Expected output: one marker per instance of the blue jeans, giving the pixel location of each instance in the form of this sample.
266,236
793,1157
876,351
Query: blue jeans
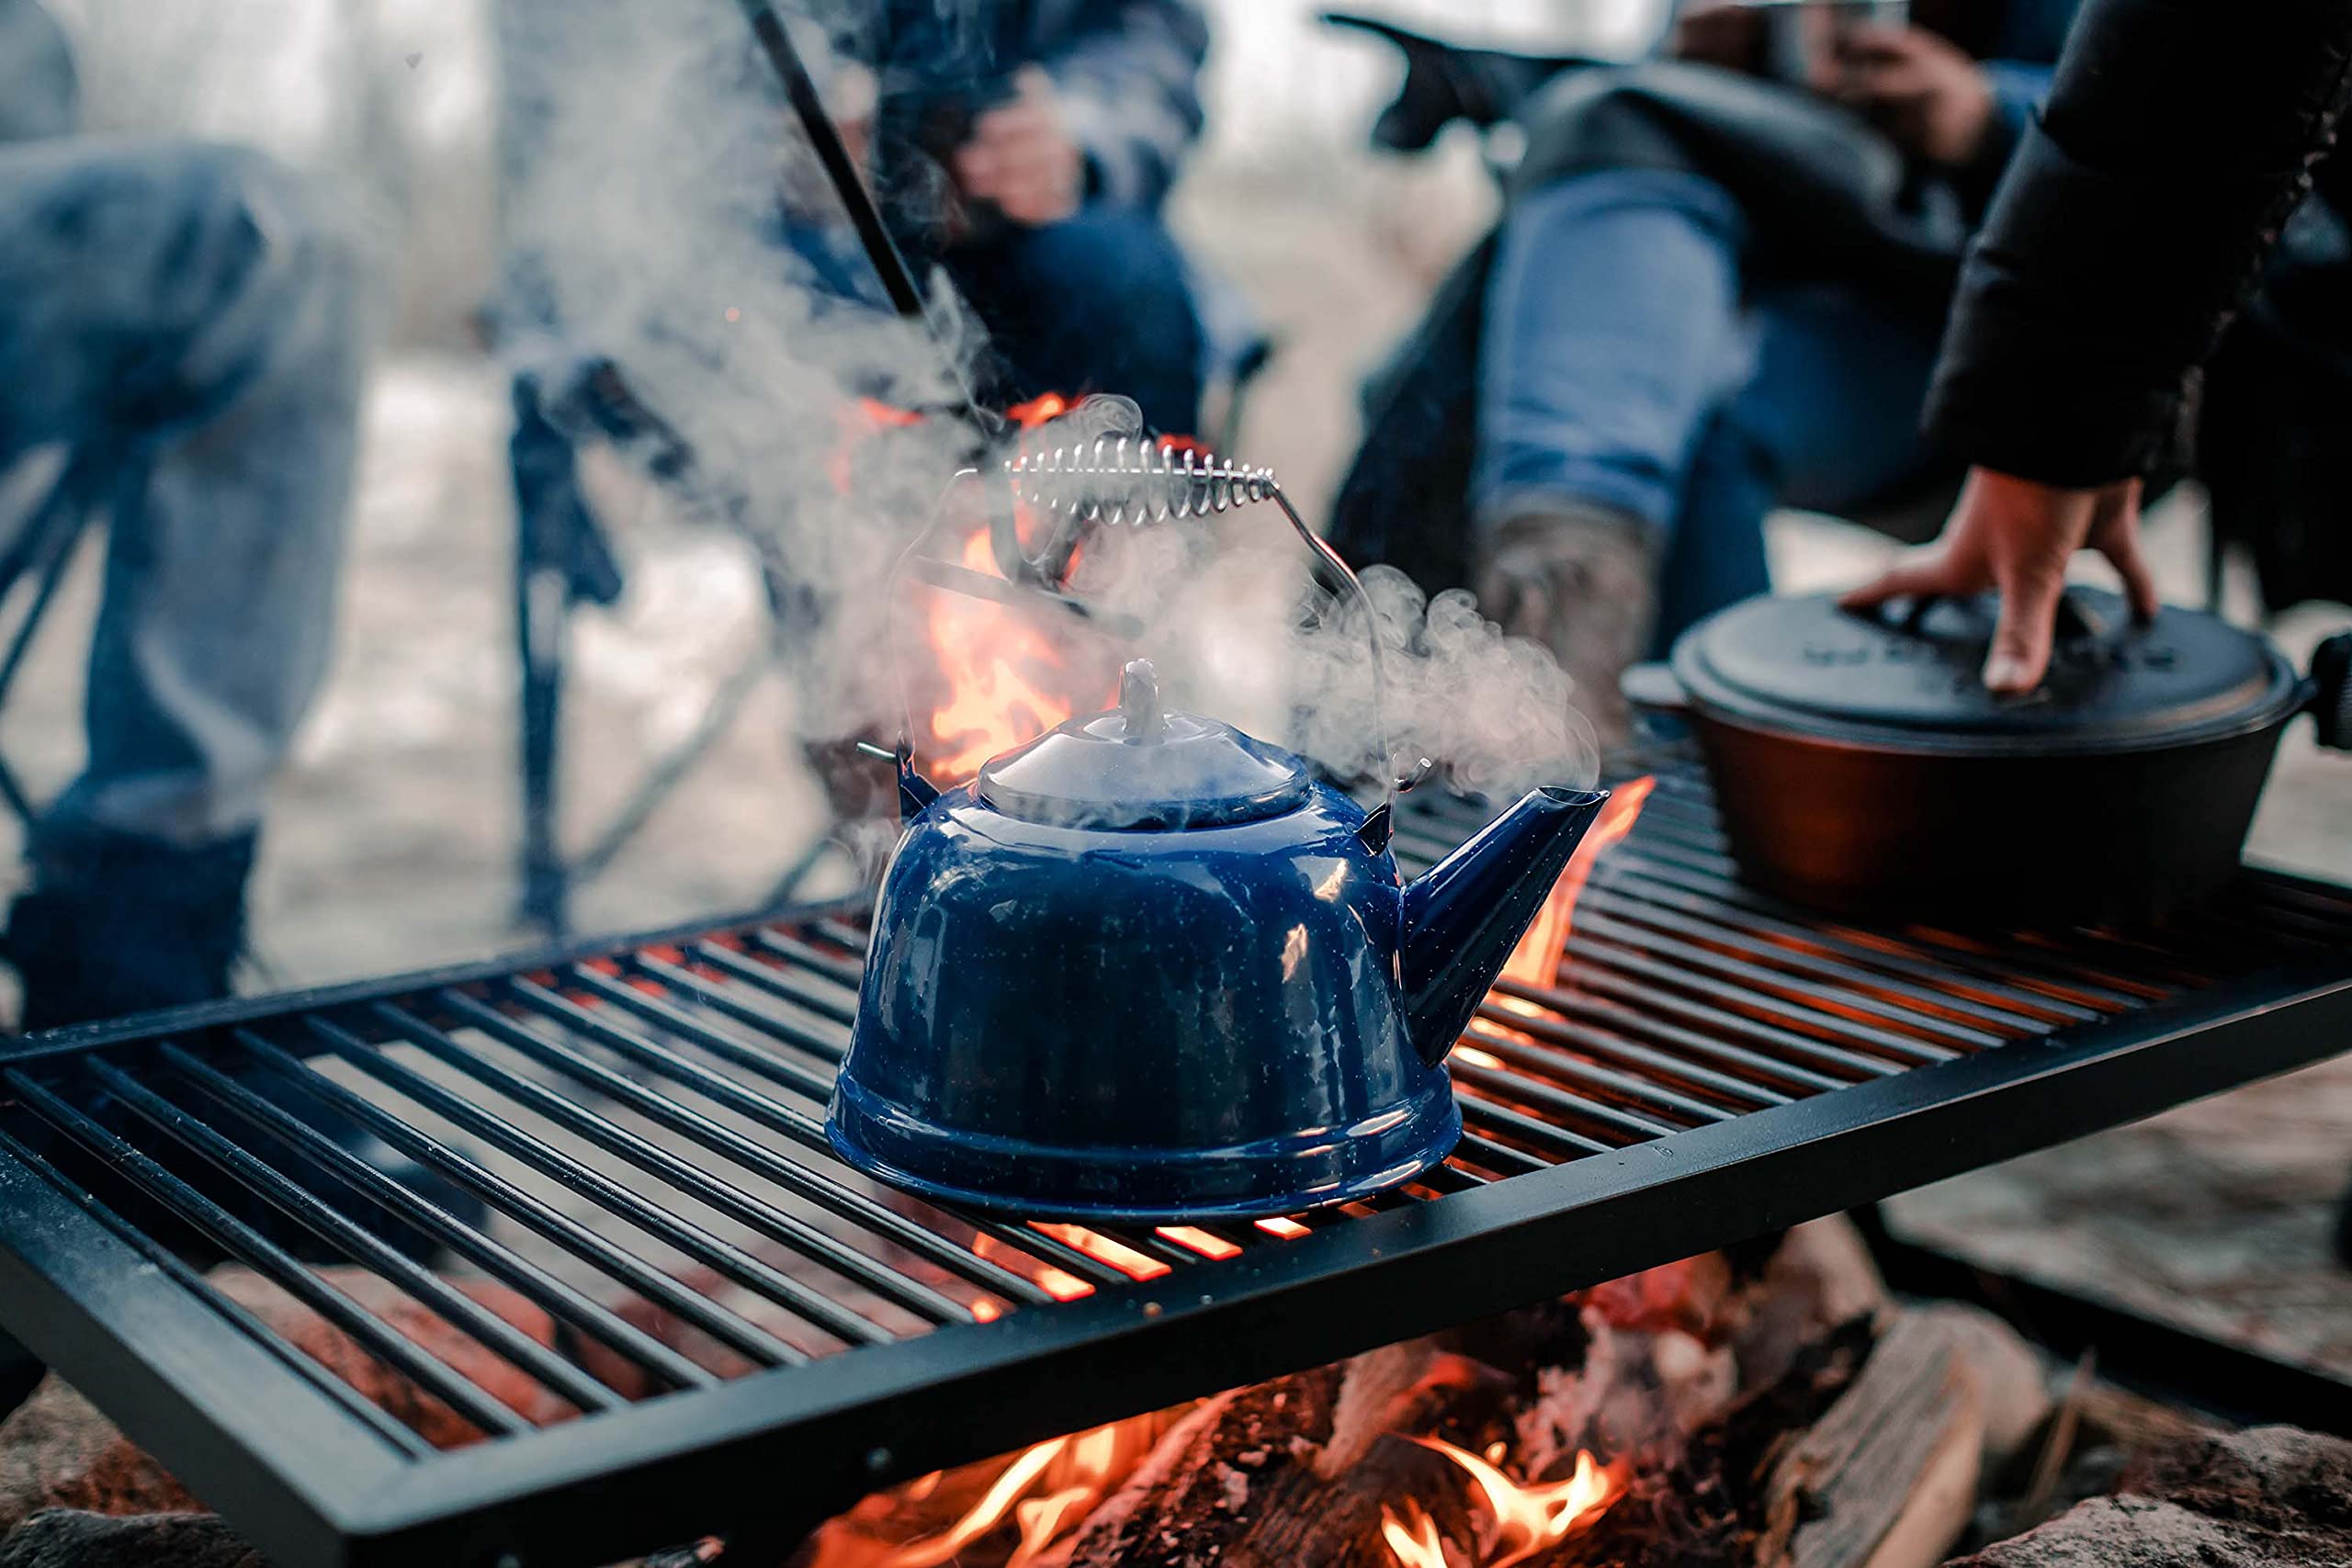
191,314
1099,303
1627,366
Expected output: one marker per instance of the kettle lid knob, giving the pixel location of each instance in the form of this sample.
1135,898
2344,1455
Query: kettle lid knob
1139,702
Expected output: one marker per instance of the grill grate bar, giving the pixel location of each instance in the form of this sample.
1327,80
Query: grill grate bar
1763,974
2029,1008
838,1005
559,1301
1631,1125
773,1115
1606,997
1631,964
1481,1110
269,1259
1632,1055
1902,998
831,1042
805,1081
402,1438
739,1334
849,972
316,1214
687,1027
669,1113
2004,963
719,1255
1500,1158
1563,1068
784,1229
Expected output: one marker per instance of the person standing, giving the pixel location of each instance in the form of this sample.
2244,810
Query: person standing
184,322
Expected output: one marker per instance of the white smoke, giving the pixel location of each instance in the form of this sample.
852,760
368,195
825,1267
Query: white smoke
657,149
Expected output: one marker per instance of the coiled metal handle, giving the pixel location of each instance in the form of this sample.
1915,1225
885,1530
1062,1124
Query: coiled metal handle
1124,479
1127,480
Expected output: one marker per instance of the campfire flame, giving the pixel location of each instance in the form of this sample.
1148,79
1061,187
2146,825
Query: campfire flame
1417,1544
1536,960
1528,1518
1003,677
1046,1491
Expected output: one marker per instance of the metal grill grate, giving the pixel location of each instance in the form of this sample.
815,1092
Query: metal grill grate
684,1315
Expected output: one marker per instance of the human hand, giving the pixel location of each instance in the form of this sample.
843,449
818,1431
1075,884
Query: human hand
1021,157
2017,536
1728,35
1920,88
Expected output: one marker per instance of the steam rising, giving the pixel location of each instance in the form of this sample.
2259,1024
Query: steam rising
647,151
1495,710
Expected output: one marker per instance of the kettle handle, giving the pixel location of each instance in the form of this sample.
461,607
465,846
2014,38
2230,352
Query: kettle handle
1161,489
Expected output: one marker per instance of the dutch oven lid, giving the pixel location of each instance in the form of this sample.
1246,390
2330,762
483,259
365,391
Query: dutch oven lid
1909,675
1141,767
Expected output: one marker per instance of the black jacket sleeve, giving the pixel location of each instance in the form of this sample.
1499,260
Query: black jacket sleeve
2132,223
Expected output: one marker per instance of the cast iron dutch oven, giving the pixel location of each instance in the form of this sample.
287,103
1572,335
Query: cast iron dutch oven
1861,766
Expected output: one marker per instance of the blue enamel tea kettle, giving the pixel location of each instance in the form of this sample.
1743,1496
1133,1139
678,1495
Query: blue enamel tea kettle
1146,968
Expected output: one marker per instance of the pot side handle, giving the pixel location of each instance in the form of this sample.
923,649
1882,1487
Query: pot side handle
2331,702
1655,688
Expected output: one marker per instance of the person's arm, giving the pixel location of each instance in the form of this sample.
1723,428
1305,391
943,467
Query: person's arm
2131,223
1130,94
2131,226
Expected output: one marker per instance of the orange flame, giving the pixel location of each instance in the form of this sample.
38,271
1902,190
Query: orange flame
1046,1491
1000,673
1417,1545
1533,1517
1536,960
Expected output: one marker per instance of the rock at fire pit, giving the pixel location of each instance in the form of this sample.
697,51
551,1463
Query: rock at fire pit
2272,1496
57,1451
65,1538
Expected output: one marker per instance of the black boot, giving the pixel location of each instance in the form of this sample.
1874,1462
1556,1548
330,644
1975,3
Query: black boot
116,924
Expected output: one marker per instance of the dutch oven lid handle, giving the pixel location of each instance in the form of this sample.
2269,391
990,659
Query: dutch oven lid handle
2077,622
2331,704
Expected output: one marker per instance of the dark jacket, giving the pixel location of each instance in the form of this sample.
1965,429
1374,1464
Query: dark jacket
2134,222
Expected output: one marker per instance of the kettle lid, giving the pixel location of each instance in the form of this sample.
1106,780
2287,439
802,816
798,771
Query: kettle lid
1142,768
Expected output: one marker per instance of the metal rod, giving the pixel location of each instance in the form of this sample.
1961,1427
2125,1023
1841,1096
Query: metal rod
562,1301
882,251
314,1213
1740,1089
795,1178
784,1229
806,1129
269,1259
169,1265
720,1256
1551,1068
737,1333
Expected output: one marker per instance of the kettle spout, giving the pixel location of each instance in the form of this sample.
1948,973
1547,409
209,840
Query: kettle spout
1463,915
